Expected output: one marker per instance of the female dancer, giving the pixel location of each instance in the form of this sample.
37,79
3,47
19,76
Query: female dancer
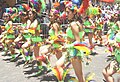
55,30
34,30
98,35
23,19
114,28
54,33
22,36
75,28
9,34
113,66
27,44
89,28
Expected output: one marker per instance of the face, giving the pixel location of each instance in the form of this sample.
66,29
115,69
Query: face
6,17
115,16
69,14
23,16
31,15
51,16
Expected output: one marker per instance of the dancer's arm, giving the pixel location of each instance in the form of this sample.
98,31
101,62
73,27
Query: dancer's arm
91,22
75,31
56,27
10,24
35,24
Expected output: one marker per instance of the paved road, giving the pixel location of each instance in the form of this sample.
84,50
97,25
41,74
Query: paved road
15,72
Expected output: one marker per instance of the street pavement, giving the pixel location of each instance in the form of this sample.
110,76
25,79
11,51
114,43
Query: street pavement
15,72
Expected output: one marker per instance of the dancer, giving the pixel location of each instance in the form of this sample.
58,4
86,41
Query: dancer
35,39
76,28
98,32
9,34
89,28
55,30
113,67
22,36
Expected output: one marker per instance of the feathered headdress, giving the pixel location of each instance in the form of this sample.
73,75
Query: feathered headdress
8,10
38,5
55,12
93,11
84,5
77,2
71,6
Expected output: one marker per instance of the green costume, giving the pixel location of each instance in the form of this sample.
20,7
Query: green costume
72,51
88,24
99,26
113,29
26,35
70,34
35,38
117,55
10,34
52,34
117,50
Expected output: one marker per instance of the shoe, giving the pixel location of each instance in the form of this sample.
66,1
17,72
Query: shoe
27,58
13,58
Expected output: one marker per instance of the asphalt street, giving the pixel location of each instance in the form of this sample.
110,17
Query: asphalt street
15,72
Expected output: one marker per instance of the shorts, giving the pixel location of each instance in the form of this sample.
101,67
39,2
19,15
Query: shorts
75,53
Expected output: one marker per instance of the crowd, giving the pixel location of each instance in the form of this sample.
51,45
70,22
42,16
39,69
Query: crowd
22,31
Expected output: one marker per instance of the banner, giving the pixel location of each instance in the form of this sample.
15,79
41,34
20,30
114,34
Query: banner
108,1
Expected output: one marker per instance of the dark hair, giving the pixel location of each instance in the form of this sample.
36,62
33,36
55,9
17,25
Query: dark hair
118,18
75,18
25,17
34,13
10,19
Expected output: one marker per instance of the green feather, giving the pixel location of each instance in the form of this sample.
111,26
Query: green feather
43,5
